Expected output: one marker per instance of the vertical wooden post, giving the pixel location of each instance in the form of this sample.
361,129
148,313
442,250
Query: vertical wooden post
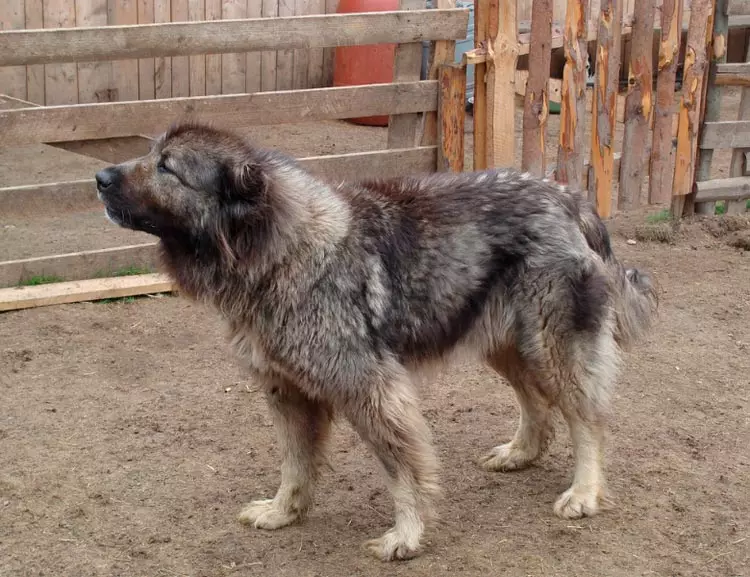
660,171
502,55
573,112
712,106
481,16
604,106
638,105
407,66
738,166
12,78
691,103
536,107
451,100
444,53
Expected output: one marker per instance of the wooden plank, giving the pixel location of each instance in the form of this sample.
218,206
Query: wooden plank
253,59
80,265
407,66
35,73
726,134
33,200
739,7
660,169
60,80
604,106
146,66
197,63
107,120
315,55
733,74
481,19
638,105
731,189
328,53
712,106
691,102
301,60
124,72
451,103
180,64
213,61
17,298
284,57
443,52
570,151
738,164
12,78
502,45
536,105
95,80
162,65
270,9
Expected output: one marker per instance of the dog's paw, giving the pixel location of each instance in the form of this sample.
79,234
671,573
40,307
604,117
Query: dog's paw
508,457
576,503
392,546
266,514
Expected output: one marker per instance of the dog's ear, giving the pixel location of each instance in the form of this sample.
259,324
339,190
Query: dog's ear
246,182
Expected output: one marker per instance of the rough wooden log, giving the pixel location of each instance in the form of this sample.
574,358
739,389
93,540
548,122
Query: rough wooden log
570,151
481,18
451,101
712,107
536,105
660,171
691,102
605,103
730,189
638,106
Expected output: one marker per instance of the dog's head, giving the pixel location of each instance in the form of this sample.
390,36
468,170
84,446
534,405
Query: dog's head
192,186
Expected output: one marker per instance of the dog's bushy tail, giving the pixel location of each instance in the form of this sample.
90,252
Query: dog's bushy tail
636,298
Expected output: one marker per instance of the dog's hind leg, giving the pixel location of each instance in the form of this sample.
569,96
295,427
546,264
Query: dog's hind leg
392,426
302,427
535,431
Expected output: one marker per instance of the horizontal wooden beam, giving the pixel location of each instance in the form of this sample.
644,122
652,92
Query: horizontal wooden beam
33,200
96,43
112,119
737,188
726,134
80,265
733,74
25,297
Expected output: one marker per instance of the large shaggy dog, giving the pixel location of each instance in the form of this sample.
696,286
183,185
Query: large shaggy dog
337,297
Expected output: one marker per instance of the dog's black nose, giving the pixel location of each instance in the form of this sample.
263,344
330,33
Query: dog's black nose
106,178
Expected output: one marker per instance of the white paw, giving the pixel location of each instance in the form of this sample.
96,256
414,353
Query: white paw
393,546
576,503
266,514
506,457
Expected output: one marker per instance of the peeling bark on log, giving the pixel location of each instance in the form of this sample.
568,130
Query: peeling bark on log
660,173
604,107
536,107
638,105
452,81
713,95
573,114
691,103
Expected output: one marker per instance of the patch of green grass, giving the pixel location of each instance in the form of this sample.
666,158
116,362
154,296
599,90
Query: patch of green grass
40,279
720,208
747,204
662,216
127,271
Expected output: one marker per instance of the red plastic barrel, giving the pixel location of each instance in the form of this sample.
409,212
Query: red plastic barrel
371,64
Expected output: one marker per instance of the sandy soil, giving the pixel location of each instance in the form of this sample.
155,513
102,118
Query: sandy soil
129,437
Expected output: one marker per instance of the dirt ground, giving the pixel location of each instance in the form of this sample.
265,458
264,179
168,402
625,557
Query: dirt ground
130,438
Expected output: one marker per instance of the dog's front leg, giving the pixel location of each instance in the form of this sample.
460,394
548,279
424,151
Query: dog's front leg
302,427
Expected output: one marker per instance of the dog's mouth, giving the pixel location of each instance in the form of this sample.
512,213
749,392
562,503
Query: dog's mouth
126,218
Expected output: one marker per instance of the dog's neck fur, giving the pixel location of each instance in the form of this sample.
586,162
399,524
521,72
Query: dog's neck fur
303,219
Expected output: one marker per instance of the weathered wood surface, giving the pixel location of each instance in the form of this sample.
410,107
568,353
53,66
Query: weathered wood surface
536,104
451,101
502,50
739,7
726,134
605,103
35,73
481,18
661,166
32,200
738,164
570,151
691,102
712,95
17,298
638,107
736,74
107,120
229,36
730,189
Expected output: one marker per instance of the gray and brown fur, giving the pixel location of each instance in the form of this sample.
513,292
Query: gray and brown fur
338,297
